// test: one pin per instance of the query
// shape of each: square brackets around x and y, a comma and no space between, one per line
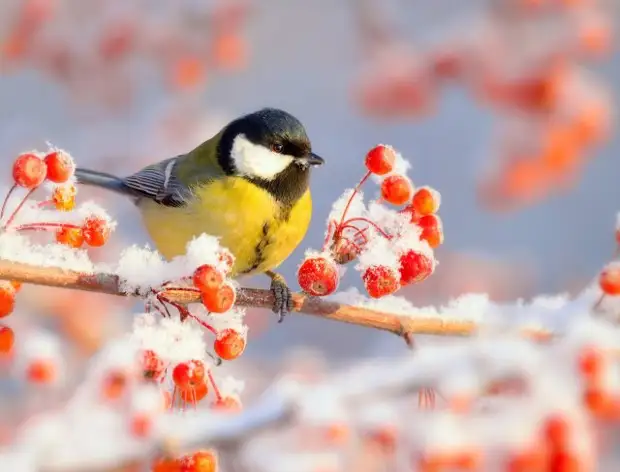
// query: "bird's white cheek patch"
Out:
[255,160]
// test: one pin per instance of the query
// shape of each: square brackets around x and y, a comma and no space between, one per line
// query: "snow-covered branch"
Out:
[258,298]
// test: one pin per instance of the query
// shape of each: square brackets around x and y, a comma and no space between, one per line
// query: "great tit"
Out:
[247,185]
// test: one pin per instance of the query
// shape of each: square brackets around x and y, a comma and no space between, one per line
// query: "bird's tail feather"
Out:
[102,180]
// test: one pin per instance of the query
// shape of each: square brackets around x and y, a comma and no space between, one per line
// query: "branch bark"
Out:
[403,326]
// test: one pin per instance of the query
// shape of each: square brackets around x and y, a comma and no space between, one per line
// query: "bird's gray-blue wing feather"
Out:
[159,182]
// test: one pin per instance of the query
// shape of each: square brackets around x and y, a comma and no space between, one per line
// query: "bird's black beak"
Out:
[313,160]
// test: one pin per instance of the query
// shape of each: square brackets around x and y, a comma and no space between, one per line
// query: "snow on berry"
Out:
[171,339]
[60,166]
[318,275]
[29,170]
[396,189]
[380,159]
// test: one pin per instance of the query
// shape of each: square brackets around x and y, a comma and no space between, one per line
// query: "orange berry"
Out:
[7,339]
[318,276]
[60,166]
[114,385]
[609,280]
[96,231]
[227,404]
[220,300]
[193,393]
[228,51]
[380,281]
[201,461]
[207,278]
[186,374]
[72,237]
[591,362]
[229,344]
[140,425]
[380,159]
[415,266]
[64,197]
[556,431]
[7,298]
[432,230]
[396,189]
[41,371]
[166,465]
[16,285]
[29,171]
[152,365]
[226,258]
[426,201]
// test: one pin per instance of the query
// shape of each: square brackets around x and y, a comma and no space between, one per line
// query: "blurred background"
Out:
[505,106]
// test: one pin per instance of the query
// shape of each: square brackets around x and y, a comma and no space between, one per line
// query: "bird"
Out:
[249,185]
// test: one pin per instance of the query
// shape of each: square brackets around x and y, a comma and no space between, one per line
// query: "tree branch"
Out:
[400,325]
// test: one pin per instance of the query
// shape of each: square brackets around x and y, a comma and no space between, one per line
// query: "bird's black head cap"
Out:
[281,132]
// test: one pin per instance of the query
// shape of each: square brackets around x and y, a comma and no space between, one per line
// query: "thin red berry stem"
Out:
[6,200]
[371,223]
[216,390]
[330,226]
[19,207]
[45,203]
[355,191]
[203,323]
[358,232]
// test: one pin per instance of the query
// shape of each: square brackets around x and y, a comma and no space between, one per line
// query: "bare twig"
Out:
[403,326]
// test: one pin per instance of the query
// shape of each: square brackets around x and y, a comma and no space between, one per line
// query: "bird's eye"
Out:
[277,148]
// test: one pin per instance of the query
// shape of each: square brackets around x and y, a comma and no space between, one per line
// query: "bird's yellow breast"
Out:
[259,231]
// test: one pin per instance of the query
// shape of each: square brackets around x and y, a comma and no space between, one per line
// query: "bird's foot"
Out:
[283,297]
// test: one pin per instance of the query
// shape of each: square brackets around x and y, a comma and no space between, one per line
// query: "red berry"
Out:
[60,166]
[226,258]
[396,189]
[141,425]
[609,280]
[72,237]
[201,461]
[380,159]
[318,276]
[414,216]
[227,404]
[207,278]
[426,201]
[220,300]
[114,385]
[415,266]
[64,197]
[186,374]
[229,344]
[7,339]
[193,393]
[41,371]
[152,365]
[29,171]
[96,231]
[380,281]
[7,298]
[432,230]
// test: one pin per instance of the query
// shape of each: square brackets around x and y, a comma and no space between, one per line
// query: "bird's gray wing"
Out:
[159,182]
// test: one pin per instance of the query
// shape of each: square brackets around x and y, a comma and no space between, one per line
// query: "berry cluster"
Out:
[201,461]
[394,248]
[30,171]
[218,296]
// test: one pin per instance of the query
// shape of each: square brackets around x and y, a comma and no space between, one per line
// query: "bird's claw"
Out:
[283,298]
